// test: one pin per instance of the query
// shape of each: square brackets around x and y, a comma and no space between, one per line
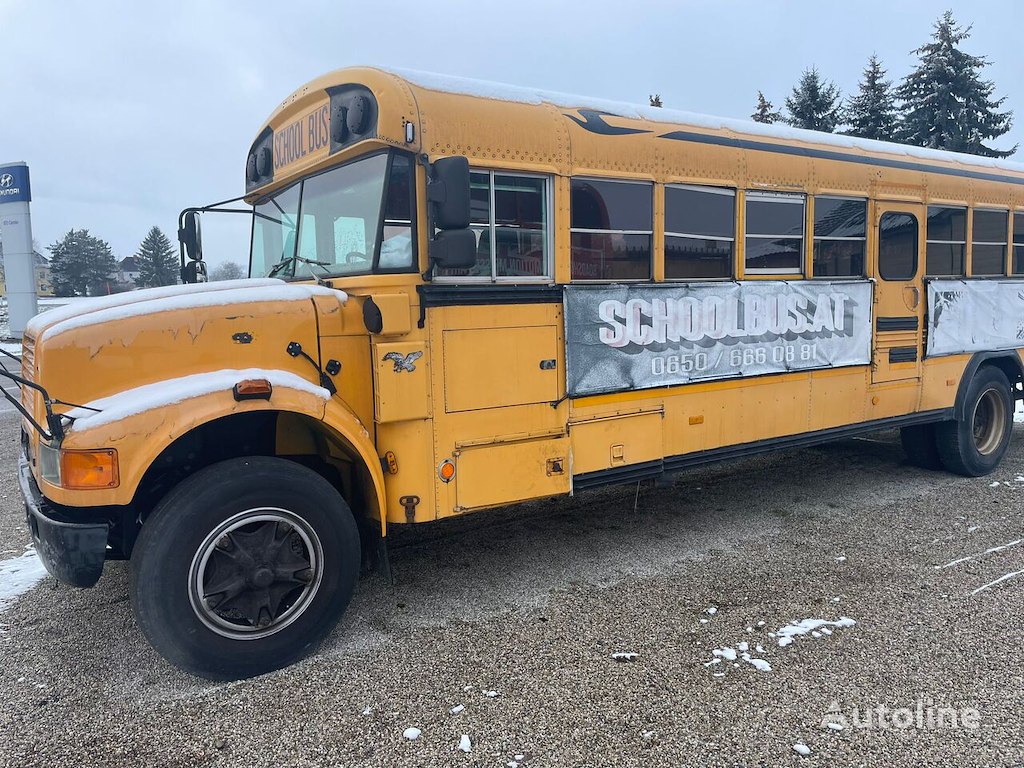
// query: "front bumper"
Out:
[72,552]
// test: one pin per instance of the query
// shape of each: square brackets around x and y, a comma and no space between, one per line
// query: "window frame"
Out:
[914,273]
[1014,244]
[968,224]
[763,272]
[587,231]
[373,270]
[814,237]
[549,235]
[705,189]
[1007,244]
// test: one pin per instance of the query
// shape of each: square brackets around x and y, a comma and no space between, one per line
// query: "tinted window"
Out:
[612,205]
[947,224]
[706,211]
[988,242]
[1018,243]
[840,236]
[774,237]
[699,232]
[946,241]
[611,228]
[897,246]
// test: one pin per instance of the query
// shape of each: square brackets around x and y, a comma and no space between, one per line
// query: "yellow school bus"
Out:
[466,295]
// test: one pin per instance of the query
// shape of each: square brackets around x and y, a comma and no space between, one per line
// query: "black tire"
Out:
[975,444]
[276,536]
[921,446]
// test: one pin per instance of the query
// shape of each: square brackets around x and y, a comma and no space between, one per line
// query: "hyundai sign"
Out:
[14,185]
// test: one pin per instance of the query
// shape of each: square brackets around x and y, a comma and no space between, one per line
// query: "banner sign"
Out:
[14,186]
[622,337]
[974,316]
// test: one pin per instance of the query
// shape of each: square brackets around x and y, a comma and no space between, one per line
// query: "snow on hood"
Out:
[154,300]
[502,92]
[161,394]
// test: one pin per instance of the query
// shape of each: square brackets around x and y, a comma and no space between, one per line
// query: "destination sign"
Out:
[310,134]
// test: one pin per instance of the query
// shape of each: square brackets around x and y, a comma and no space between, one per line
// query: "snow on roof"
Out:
[168,300]
[502,92]
[161,394]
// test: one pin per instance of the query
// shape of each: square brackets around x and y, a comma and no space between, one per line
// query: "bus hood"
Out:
[92,349]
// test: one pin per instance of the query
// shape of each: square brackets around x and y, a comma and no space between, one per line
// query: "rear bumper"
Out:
[72,552]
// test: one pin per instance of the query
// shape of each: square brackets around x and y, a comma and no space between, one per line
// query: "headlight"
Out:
[49,463]
[79,470]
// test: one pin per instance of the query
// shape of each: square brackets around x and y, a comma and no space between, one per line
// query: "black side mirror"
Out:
[194,272]
[449,192]
[454,249]
[191,236]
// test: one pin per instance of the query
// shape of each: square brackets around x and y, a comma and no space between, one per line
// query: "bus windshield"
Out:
[353,219]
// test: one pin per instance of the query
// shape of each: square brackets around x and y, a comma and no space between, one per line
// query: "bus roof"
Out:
[502,92]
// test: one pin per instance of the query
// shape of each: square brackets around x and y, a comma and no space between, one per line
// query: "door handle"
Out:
[916,293]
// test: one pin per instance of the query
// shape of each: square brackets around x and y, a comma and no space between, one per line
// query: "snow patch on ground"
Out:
[787,634]
[977,555]
[1018,413]
[18,575]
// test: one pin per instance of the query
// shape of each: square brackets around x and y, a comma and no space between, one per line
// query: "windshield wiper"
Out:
[291,260]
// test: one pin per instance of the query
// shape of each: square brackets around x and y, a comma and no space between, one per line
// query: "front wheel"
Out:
[975,444]
[244,567]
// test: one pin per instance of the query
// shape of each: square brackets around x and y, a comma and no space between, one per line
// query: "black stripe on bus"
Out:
[471,295]
[896,324]
[649,469]
[903,355]
[826,154]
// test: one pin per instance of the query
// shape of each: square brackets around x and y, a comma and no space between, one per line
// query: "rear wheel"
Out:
[919,443]
[244,567]
[975,444]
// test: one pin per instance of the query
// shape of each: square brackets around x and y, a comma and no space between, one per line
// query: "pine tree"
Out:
[871,114]
[229,270]
[765,111]
[655,100]
[814,103]
[158,264]
[946,104]
[80,263]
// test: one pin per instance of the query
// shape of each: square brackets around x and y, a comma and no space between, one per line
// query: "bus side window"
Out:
[612,227]
[946,242]
[897,246]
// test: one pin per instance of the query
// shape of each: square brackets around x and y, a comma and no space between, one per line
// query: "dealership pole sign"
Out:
[16,236]
[641,336]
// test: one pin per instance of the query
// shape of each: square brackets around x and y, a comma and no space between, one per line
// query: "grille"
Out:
[28,371]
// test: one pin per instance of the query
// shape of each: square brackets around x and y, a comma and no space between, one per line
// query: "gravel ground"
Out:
[530,604]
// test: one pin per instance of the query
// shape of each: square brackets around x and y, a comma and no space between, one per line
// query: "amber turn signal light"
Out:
[253,389]
[446,470]
[82,470]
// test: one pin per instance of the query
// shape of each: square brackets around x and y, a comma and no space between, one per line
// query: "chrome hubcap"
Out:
[255,573]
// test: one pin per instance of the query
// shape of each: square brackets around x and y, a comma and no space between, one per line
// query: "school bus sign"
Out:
[625,337]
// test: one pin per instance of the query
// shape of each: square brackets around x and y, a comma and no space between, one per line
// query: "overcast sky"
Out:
[128,111]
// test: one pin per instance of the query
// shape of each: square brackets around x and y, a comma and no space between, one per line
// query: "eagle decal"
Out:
[403,362]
